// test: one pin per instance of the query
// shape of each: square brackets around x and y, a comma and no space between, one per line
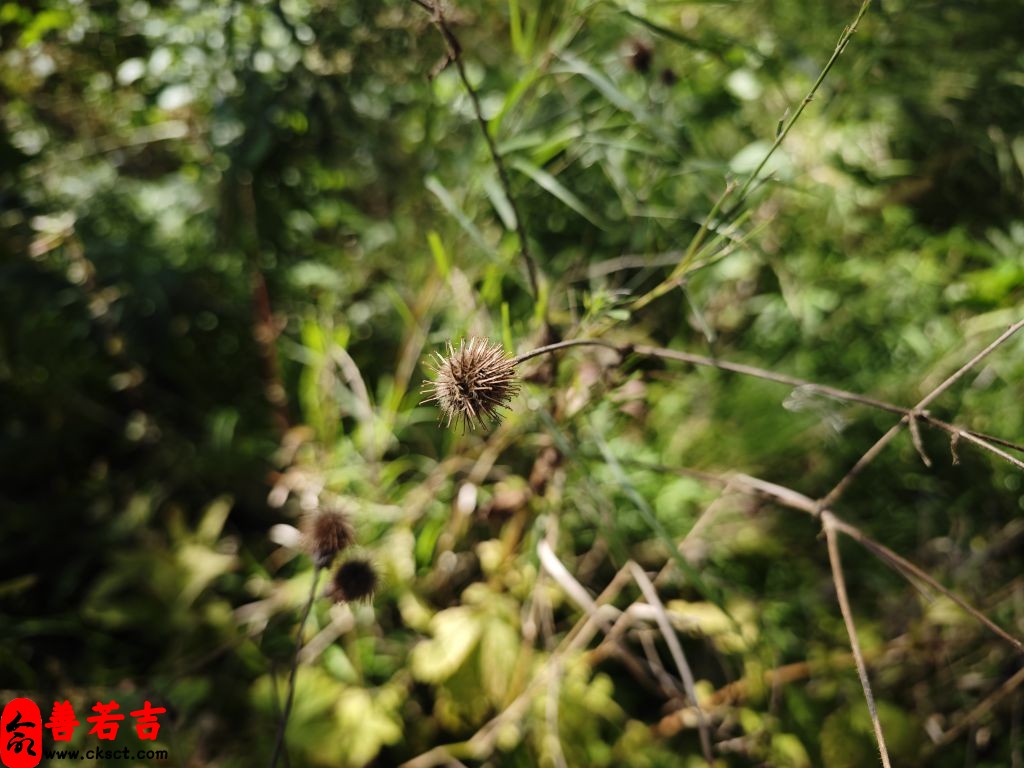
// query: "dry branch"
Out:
[832,496]
[828,521]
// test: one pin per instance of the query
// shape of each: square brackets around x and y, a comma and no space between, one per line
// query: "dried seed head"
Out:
[355,580]
[473,382]
[640,55]
[325,533]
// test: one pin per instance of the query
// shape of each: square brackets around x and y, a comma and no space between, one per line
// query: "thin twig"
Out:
[830,498]
[908,569]
[454,53]
[851,629]
[984,706]
[685,673]
[977,438]
[564,345]
[279,741]
[787,497]
[844,40]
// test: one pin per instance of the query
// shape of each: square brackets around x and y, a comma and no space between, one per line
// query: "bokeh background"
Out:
[231,234]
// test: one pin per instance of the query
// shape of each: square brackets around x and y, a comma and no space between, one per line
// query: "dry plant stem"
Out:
[685,673]
[830,498]
[977,438]
[279,741]
[561,575]
[454,53]
[787,497]
[565,345]
[851,629]
[984,706]
[907,569]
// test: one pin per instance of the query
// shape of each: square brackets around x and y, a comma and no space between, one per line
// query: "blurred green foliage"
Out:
[230,233]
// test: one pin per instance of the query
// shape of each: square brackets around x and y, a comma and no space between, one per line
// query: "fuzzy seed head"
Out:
[325,533]
[354,580]
[472,383]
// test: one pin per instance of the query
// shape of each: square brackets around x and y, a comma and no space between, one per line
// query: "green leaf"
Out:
[456,632]
[448,203]
[439,253]
[500,200]
[368,724]
[550,184]
[499,649]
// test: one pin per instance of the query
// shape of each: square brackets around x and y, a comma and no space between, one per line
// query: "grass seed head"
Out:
[472,383]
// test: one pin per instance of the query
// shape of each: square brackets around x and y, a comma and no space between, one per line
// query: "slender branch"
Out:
[279,741]
[907,569]
[787,497]
[844,40]
[761,373]
[984,706]
[454,54]
[546,350]
[974,437]
[851,629]
[830,498]
[951,380]
[977,438]
[685,673]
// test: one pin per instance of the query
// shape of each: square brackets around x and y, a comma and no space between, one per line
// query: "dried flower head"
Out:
[325,533]
[473,382]
[354,580]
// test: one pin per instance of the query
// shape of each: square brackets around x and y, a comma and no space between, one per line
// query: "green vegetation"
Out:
[233,235]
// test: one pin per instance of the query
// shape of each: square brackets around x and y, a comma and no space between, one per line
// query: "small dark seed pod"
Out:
[325,534]
[354,580]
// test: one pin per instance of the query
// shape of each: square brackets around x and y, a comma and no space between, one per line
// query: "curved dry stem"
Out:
[683,667]
[851,630]
[548,349]
[907,569]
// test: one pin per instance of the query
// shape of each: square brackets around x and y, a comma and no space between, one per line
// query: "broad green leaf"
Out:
[456,632]
[367,724]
